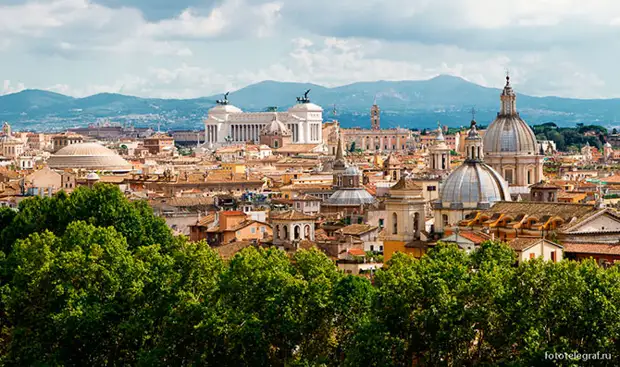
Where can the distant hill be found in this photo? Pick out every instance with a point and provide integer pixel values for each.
(416, 104)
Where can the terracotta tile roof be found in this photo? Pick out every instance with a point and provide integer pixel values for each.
(611, 179)
(184, 201)
(232, 213)
(296, 148)
(371, 189)
(572, 195)
(229, 250)
(320, 235)
(566, 211)
(592, 248)
(357, 229)
(545, 185)
(206, 220)
(357, 252)
(406, 184)
(306, 197)
(475, 237)
(290, 215)
(523, 243)
(241, 225)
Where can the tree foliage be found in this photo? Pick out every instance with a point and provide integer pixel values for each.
(86, 289)
(566, 137)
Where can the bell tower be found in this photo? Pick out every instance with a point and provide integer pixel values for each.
(375, 118)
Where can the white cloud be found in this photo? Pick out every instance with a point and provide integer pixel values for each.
(79, 47)
(8, 87)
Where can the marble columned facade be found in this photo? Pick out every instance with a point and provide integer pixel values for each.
(226, 123)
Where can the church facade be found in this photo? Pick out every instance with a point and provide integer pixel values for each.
(376, 139)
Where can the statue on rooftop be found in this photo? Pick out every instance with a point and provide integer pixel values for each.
(223, 102)
(305, 98)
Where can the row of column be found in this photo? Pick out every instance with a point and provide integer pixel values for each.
(371, 143)
(245, 132)
(211, 134)
(294, 128)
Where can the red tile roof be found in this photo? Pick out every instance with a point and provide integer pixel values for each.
(232, 213)
(357, 252)
(592, 248)
(476, 238)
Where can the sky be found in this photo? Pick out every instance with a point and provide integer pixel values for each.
(194, 48)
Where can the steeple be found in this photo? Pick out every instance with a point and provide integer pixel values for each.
(474, 144)
(508, 100)
(340, 163)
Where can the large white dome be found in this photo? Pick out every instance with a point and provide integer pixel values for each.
(89, 156)
(473, 184)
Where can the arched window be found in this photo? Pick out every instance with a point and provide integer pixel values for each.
(275, 144)
(297, 232)
(394, 175)
(277, 232)
(508, 175)
(444, 219)
(529, 176)
(307, 232)
(416, 220)
(285, 232)
(394, 223)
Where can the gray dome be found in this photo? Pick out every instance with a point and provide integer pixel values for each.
(357, 196)
(473, 183)
(89, 156)
(510, 134)
(351, 171)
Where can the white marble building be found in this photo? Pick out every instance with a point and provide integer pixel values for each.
(229, 124)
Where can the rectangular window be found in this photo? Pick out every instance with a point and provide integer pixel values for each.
(553, 258)
(372, 247)
(253, 230)
(532, 256)
(262, 229)
(431, 188)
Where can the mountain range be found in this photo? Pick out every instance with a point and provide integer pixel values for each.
(414, 104)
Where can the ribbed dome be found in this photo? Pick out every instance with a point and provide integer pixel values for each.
(357, 196)
(473, 183)
(90, 156)
(276, 127)
(510, 134)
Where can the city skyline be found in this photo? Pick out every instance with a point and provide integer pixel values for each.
(197, 48)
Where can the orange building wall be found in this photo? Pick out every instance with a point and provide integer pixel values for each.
(391, 247)
(245, 234)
